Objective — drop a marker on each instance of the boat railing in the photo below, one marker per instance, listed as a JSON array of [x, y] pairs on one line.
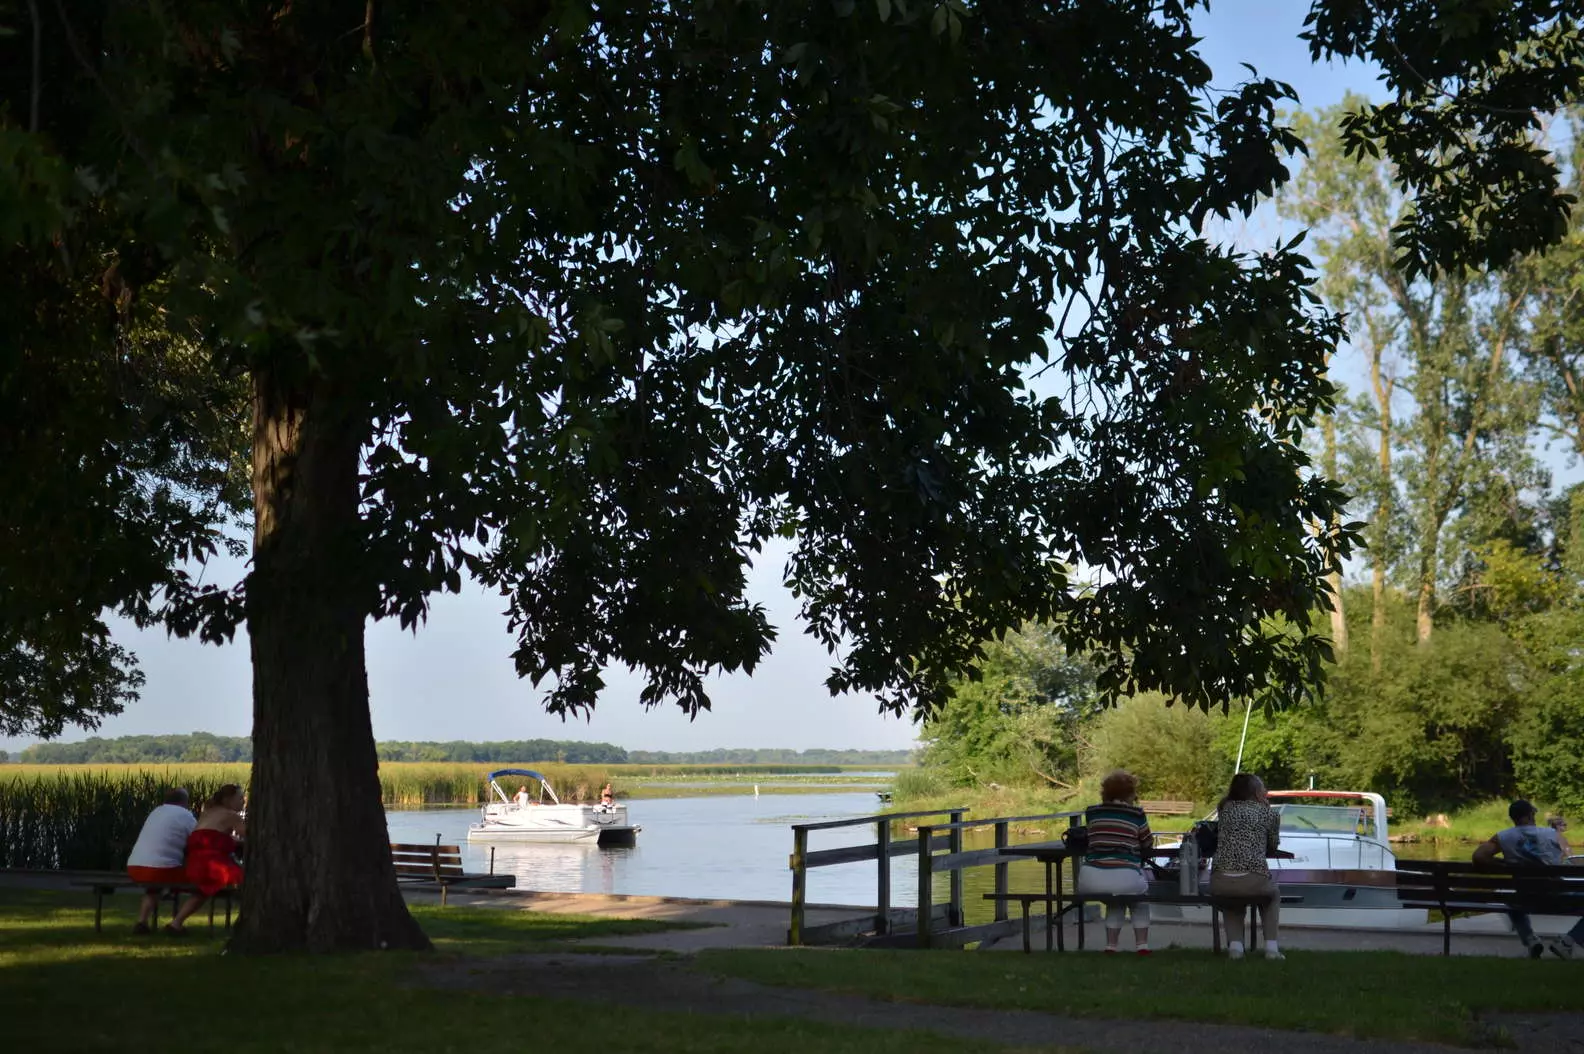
[[1366, 853]]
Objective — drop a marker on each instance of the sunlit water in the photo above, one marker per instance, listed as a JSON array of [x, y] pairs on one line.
[[731, 847]]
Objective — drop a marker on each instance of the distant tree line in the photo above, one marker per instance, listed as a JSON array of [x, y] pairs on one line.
[[204, 747]]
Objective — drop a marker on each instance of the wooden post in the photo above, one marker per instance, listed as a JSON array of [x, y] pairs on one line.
[[955, 840], [1001, 881], [798, 863], [926, 885], [883, 889]]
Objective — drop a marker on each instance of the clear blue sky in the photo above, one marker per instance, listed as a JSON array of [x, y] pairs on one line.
[[454, 680]]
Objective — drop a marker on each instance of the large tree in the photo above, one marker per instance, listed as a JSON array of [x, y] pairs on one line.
[[589, 299]]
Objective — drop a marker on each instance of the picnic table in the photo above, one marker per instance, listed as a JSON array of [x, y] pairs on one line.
[[1054, 855]]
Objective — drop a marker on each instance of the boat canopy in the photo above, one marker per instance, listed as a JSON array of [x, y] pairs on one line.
[[530, 773]]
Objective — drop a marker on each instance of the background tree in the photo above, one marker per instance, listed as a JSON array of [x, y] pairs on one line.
[[1441, 352], [1017, 718]]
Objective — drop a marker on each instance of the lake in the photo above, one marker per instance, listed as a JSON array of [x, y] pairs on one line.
[[731, 847]]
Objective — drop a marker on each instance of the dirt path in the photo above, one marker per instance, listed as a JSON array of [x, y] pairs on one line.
[[673, 985]]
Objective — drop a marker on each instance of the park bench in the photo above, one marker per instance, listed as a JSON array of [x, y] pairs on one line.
[[1452, 887], [110, 885], [1167, 808], [442, 865]]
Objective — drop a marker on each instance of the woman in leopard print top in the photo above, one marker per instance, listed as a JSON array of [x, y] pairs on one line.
[[1246, 833]]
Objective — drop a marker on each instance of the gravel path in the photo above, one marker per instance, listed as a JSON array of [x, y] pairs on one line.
[[670, 984]]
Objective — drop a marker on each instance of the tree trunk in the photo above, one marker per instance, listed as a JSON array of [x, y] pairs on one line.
[[1424, 623], [1339, 629], [319, 874], [1382, 386]]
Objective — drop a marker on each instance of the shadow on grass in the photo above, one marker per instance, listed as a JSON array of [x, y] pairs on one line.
[[63, 987]]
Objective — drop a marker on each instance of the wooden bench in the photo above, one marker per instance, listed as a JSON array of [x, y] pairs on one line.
[[1452, 886], [1167, 808], [106, 887], [442, 865], [1064, 904]]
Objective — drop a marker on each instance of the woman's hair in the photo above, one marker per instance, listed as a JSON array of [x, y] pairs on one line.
[[220, 797], [1244, 787], [1556, 821], [1119, 785]]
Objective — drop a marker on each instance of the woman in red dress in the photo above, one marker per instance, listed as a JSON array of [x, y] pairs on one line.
[[212, 847]]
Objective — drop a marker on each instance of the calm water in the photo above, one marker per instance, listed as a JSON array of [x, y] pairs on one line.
[[730, 847]]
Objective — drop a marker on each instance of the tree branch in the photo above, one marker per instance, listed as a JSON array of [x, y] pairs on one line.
[[38, 63]]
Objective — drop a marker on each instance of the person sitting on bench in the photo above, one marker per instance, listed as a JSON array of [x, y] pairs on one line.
[[211, 851], [1525, 842], [1113, 863], [1247, 829], [159, 856]]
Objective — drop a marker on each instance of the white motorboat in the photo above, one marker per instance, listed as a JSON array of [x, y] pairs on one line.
[[540, 816], [1342, 871]]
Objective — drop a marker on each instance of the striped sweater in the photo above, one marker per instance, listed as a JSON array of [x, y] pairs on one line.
[[1119, 835]]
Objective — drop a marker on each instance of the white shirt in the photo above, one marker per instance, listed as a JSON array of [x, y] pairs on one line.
[[163, 840], [522, 799]]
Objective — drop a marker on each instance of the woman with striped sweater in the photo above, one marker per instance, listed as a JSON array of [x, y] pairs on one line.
[[1113, 863]]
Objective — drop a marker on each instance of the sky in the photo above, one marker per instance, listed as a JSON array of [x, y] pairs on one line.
[[454, 678]]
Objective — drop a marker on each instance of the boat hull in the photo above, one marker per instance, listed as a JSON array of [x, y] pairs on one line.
[[503, 834]]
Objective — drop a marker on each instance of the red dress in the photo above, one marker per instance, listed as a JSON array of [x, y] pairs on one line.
[[211, 863]]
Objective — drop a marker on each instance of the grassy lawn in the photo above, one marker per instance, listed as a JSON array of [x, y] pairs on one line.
[[1380, 994], [64, 988]]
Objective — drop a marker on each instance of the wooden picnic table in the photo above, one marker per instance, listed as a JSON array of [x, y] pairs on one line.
[[1054, 855]]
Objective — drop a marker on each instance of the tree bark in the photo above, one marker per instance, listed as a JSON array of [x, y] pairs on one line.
[[319, 873], [1339, 629]]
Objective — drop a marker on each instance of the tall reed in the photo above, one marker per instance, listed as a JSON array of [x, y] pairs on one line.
[[87, 819]]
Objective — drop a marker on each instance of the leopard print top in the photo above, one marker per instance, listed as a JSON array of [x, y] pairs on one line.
[[1246, 832]]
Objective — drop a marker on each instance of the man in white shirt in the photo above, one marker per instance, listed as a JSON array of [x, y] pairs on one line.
[[159, 856], [1526, 842]]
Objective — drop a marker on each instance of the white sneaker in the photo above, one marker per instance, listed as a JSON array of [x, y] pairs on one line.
[[1235, 950], [1275, 955]]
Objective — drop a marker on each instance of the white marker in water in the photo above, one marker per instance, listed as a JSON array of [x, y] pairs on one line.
[[756, 790]]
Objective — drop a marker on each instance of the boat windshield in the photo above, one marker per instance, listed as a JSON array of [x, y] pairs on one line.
[[1326, 819]]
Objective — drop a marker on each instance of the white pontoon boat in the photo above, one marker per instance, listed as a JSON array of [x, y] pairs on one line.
[[539, 816], [1342, 871]]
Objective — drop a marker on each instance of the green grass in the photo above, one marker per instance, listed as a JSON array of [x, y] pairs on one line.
[[1371, 994], [62, 987]]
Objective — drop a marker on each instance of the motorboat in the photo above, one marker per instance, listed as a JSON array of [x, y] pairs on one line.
[[540, 816], [1341, 870]]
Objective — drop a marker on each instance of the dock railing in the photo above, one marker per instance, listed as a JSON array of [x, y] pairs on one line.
[[881, 850], [955, 860], [938, 847]]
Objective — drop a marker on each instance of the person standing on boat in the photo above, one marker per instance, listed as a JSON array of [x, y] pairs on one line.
[[522, 797], [1246, 833], [607, 800], [1525, 842], [1113, 863], [159, 856]]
